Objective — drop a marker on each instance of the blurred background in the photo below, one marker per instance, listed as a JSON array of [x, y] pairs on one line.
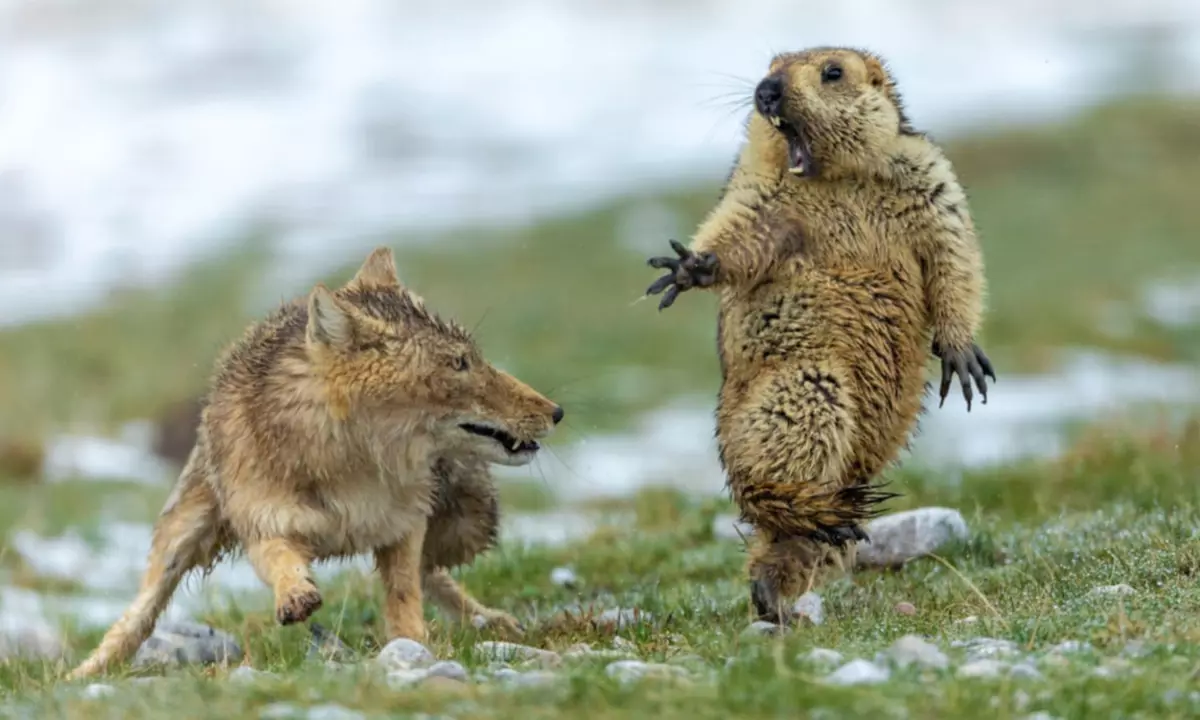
[[170, 170]]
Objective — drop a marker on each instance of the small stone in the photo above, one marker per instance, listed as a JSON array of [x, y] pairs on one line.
[[96, 691], [823, 656], [905, 608], [983, 648], [404, 677], [332, 711], [1024, 671], [1021, 700], [279, 711], [326, 646], [564, 577], [247, 674], [443, 683], [620, 643], [33, 642], [514, 652], [1120, 590], [448, 669], [762, 628], [632, 670], [535, 678], [1135, 649], [728, 527], [1041, 715], [404, 654], [903, 536], [811, 606], [968, 620], [578, 649], [1070, 647], [622, 618], [915, 650], [182, 643], [982, 669], [858, 672]]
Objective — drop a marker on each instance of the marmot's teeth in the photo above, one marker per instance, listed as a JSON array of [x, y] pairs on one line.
[[797, 170]]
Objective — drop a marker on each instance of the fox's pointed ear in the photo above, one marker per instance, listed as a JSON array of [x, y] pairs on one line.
[[331, 322], [379, 270]]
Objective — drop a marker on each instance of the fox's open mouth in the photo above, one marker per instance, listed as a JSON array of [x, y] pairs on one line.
[[511, 444], [800, 157]]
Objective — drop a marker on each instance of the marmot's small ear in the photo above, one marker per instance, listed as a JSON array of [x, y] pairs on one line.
[[877, 74]]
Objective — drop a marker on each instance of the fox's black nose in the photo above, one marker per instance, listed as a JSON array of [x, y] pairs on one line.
[[768, 96], [558, 414]]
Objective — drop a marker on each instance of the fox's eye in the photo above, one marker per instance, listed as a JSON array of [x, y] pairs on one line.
[[831, 73], [460, 363]]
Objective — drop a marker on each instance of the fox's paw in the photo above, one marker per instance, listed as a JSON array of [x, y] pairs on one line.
[[498, 621], [968, 364], [769, 605], [687, 271], [297, 604]]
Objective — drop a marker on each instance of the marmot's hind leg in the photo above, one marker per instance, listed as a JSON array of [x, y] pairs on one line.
[[787, 450], [782, 570]]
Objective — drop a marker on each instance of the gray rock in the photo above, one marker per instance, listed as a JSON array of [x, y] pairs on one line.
[[1021, 700], [982, 648], [823, 656], [1042, 715], [915, 650], [448, 669], [183, 643], [404, 654], [633, 670], [332, 711], [280, 711], [564, 577], [762, 628], [620, 643], [728, 527], [96, 691], [982, 669], [1071, 647], [858, 672], [33, 642], [622, 618], [247, 674], [1024, 671], [1109, 590], [534, 678], [324, 645], [513, 652], [811, 606], [404, 677], [902, 536]]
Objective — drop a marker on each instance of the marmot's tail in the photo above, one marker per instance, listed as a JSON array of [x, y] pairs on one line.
[[793, 510], [185, 536]]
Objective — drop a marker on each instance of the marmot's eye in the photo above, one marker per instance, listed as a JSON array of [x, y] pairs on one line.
[[460, 363], [831, 73]]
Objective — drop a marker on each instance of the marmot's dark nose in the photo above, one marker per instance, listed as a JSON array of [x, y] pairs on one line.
[[768, 96], [558, 414]]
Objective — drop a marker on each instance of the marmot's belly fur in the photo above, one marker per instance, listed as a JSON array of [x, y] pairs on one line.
[[823, 379]]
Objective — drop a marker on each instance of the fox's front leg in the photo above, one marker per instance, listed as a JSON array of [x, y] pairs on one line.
[[400, 569], [286, 567]]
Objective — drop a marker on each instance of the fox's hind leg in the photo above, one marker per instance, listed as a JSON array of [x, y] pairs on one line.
[[400, 569], [186, 536]]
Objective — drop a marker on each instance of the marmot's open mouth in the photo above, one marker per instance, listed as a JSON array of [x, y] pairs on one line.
[[510, 443], [800, 158]]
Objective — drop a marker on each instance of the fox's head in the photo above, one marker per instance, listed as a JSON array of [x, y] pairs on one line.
[[382, 354]]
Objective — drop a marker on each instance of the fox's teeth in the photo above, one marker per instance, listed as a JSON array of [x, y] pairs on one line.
[[776, 121], [516, 445]]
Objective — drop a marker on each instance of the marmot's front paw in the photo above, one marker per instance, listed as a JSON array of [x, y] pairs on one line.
[[967, 363], [687, 271]]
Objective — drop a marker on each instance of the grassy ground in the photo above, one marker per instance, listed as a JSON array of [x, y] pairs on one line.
[[1120, 508]]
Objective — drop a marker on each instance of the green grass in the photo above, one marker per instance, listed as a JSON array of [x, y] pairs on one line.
[[1075, 220], [1120, 508]]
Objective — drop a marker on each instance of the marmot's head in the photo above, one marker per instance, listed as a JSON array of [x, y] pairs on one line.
[[826, 109]]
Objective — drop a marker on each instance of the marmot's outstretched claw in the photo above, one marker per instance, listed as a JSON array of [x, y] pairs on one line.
[[968, 364], [684, 272]]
